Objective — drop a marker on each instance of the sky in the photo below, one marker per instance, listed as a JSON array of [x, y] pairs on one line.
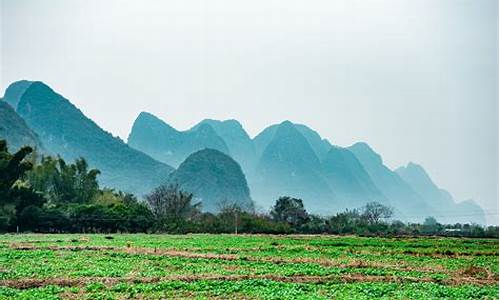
[[417, 80]]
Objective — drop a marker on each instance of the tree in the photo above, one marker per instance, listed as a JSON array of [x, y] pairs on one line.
[[430, 225], [373, 212], [230, 212], [62, 182], [12, 168], [290, 210], [430, 221], [169, 201], [344, 222], [15, 194]]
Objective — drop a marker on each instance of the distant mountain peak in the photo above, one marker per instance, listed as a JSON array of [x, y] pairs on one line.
[[286, 127], [149, 120], [163, 142], [414, 172], [15, 91], [214, 178], [365, 152], [286, 123], [363, 146], [227, 121], [236, 138], [205, 128], [412, 165], [147, 115]]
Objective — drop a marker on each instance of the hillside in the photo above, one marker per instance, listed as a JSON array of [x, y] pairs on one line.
[[289, 166], [240, 145], [407, 203], [349, 180], [15, 130], [448, 210], [65, 130], [214, 178]]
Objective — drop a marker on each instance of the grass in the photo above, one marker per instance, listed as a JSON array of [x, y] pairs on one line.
[[121, 266]]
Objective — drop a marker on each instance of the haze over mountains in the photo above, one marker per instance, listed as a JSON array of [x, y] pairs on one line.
[[284, 159]]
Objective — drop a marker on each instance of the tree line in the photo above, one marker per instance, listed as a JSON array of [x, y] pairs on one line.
[[46, 194]]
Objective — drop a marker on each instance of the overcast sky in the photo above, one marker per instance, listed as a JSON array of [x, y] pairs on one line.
[[417, 80]]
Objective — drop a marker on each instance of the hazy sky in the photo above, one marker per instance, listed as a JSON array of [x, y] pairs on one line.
[[416, 79]]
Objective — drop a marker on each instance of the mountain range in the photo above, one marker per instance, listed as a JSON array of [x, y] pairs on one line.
[[218, 161], [64, 130], [151, 135]]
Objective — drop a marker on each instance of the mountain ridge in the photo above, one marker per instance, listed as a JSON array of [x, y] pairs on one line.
[[163, 142], [284, 159], [441, 200], [66, 131], [15, 131]]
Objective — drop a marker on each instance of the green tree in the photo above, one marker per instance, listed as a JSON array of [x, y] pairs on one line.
[[290, 210], [62, 182], [12, 168], [15, 194], [344, 222], [430, 225]]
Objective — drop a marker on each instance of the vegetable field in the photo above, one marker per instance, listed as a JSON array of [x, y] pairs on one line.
[[122, 266]]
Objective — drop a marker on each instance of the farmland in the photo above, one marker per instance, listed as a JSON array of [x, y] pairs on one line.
[[122, 266]]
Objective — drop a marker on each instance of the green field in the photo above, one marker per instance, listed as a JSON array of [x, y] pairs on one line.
[[122, 266]]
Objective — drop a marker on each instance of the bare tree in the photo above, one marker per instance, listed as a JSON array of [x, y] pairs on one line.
[[231, 208], [373, 212], [171, 201]]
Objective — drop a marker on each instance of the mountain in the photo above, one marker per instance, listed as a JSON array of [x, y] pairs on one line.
[[347, 177], [284, 159], [15, 130], [151, 135], [65, 130], [407, 203], [240, 145], [14, 92], [289, 166], [214, 178], [319, 145], [262, 140], [448, 210]]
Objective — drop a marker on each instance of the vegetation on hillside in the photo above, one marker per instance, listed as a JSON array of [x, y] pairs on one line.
[[48, 194]]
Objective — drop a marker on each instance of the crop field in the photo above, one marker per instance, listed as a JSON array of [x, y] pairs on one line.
[[123, 266]]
